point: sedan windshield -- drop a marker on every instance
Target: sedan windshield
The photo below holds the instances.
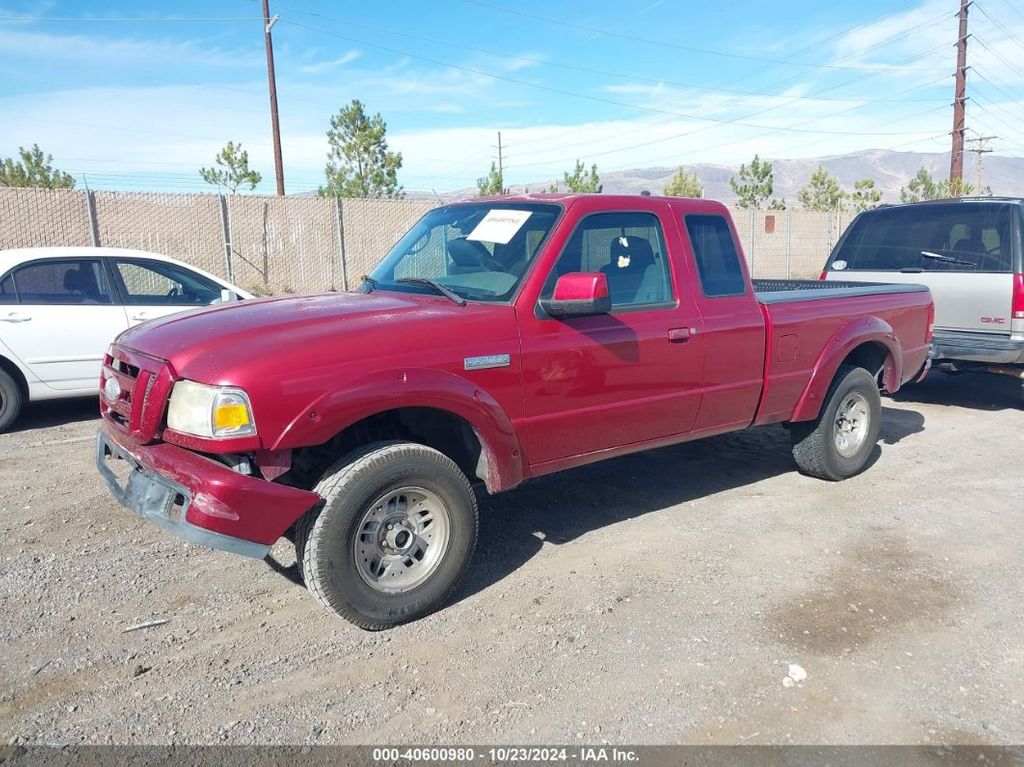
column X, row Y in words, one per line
column 477, row 251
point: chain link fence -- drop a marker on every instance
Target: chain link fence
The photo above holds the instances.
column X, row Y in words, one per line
column 312, row 244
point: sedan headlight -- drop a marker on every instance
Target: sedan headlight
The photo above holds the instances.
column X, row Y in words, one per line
column 209, row 411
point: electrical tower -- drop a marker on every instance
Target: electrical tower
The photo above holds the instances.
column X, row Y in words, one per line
column 980, row 149
column 956, row 156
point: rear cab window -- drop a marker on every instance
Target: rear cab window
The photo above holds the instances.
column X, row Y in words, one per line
column 938, row 237
column 714, row 250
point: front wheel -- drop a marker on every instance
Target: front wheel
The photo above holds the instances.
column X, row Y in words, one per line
column 837, row 445
column 395, row 534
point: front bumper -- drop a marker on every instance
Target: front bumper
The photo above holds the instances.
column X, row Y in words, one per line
column 198, row 498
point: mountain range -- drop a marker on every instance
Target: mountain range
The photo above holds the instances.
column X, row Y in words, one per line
column 890, row 170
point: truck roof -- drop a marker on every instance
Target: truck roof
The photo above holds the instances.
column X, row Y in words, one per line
column 950, row 200
column 615, row 199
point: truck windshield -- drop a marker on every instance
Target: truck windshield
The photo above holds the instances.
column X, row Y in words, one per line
column 937, row 237
column 479, row 251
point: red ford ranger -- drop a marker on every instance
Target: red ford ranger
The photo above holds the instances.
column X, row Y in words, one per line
column 501, row 339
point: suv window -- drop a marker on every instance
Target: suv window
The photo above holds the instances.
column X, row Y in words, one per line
column 155, row 283
column 78, row 281
column 718, row 263
column 932, row 237
column 628, row 248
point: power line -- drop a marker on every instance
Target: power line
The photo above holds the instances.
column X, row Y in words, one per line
column 1009, row 33
column 552, row 64
column 901, row 35
column 125, row 19
column 1009, row 64
column 772, row 129
column 649, row 41
column 550, row 89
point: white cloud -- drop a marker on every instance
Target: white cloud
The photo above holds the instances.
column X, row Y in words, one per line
column 323, row 66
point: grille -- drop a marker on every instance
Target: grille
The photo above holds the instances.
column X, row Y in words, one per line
column 144, row 384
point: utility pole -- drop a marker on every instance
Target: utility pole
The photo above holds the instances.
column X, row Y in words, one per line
column 501, row 163
column 956, row 156
column 980, row 149
column 268, row 24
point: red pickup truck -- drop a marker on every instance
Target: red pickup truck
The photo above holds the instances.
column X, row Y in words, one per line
column 501, row 339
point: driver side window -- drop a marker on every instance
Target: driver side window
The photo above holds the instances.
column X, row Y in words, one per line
column 628, row 248
column 155, row 283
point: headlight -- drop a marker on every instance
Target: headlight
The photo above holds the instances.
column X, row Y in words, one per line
column 209, row 411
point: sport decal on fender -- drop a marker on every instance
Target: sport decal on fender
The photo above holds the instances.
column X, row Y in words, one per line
column 488, row 361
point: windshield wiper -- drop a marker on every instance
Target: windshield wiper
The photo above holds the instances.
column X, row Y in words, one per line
column 446, row 292
column 946, row 259
column 369, row 283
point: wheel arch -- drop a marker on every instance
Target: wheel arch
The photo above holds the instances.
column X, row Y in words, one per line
column 441, row 410
column 868, row 343
column 15, row 372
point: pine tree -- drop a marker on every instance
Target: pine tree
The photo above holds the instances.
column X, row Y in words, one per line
column 581, row 181
column 359, row 163
column 684, row 184
column 33, row 169
column 233, row 170
column 822, row 192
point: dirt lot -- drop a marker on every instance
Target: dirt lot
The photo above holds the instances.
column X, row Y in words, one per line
column 658, row 598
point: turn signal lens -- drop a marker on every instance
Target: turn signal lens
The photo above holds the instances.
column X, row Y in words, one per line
column 230, row 417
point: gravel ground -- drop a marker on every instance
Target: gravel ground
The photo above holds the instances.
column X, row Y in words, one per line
column 657, row 598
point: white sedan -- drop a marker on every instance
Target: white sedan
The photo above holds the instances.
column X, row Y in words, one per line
column 60, row 307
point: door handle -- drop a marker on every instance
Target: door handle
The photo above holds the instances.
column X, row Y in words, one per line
column 679, row 335
column 139, row 317
column 15, row 317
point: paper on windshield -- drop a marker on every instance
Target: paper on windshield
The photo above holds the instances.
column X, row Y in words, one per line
column 499, row 226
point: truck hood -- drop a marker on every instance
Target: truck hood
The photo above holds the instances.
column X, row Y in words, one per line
column 230, row 343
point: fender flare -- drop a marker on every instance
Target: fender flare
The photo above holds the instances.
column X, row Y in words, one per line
column 334, row 411
column 847, row 338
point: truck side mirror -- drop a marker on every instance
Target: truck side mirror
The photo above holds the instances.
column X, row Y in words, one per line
column 579, row 294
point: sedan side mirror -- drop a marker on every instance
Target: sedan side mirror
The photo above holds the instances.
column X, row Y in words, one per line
column 228, row 295
column 579, row 294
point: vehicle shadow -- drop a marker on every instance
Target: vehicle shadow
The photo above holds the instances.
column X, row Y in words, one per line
column 560, row 508
column 57, row 412
column 898, row 424
column 977, row 391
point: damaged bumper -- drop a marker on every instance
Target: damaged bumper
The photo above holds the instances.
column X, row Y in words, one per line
column 198, row 498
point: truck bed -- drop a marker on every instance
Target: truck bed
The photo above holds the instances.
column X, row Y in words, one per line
column 778, row 291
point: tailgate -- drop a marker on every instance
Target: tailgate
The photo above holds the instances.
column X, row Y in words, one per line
column 978, row 302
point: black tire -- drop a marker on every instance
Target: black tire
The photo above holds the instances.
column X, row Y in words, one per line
column 815, row 443
column 11, row 399
column 326, row 539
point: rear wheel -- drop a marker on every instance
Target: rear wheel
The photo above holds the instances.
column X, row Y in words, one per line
column 837, row 445
column 11, row 400
column 395, row 534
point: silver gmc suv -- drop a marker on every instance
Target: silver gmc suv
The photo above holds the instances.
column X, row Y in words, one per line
column 969, row 252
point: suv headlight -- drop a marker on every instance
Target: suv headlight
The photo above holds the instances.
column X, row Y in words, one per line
column 209, row 411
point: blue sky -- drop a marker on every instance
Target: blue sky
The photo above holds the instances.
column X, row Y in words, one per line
column 139, row 95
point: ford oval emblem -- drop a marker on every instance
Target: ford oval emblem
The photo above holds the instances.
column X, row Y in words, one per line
column 111, row 390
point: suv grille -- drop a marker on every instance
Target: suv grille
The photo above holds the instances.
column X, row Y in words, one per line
column 136, row 402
